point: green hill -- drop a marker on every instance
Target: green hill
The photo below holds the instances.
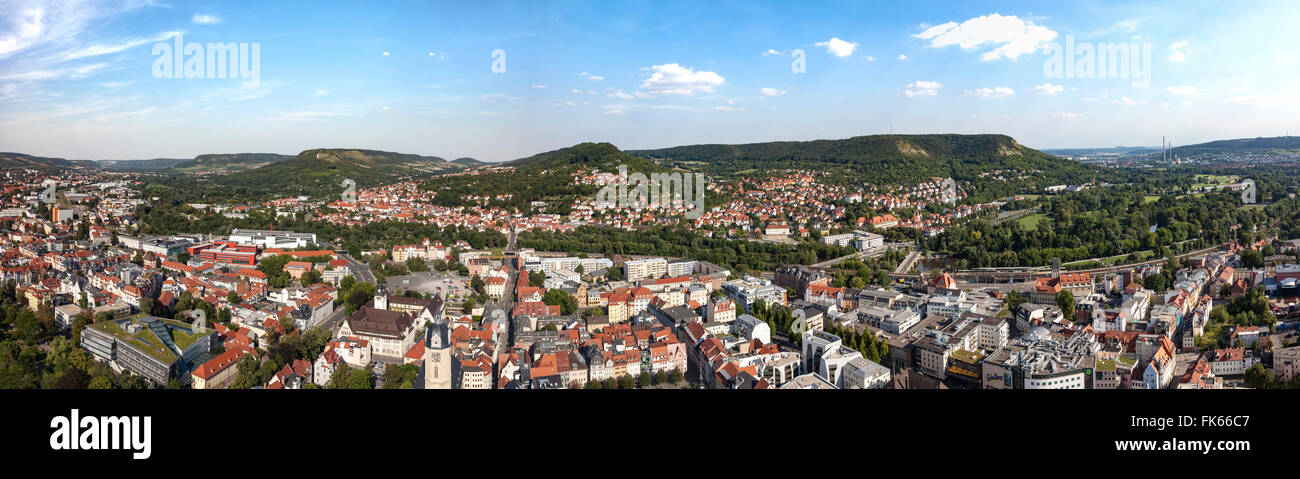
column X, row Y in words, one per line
column 19, row 160
column 546, row 177
column 890, row 159
column 227, row 163
column 320, row 171
column 140, row 165
column 1278, row 144
column 470, row 162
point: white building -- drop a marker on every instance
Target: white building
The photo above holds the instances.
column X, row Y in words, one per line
column 752, row 328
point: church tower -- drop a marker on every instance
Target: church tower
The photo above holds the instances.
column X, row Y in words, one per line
column 381, row 297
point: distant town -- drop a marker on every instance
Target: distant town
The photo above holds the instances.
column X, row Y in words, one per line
column 279, row 309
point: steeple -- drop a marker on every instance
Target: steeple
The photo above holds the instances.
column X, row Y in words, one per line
column 381, row 297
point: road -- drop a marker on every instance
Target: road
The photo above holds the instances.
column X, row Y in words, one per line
column 332, row 322
column 360, row 270
column 908, row 262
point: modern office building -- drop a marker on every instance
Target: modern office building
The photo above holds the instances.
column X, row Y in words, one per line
column 272, row 239
column 156, row 348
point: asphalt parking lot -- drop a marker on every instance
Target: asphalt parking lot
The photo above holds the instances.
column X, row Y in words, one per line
column 448, row 285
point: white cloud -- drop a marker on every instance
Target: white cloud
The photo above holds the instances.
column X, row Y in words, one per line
column 674, row 79
column 1179, row 49
column 576, row 91
column 588, row 76
column 901, row 57
column 871, row 58
column 1010, row 36
column 771, row 51
column 384, row 54
column 1183, row 90
column 620, row 94
column 1048, row 89
column 615, row 112
column 71, row 73
column 921, row 88
column 205, row 19
column 837, row 47
column 438, row 55
column 992, row 93
column 30, row 24
column 321, row 92
column 771, row 92
column 727, row 108
column 1123, row 100
column 1067, row 115
column 540, row 87
column 96, row 50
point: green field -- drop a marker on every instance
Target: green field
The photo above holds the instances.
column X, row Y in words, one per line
column 1150, row 199
column 1031, row 221
column 1212, row 181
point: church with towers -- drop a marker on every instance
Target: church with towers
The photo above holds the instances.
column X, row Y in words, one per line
column 392, row 323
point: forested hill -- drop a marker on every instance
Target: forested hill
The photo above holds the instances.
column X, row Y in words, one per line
column 886, row 159
column 224, row 163
column 544, row 177
column 320, row 171
column 19, row 160
column 1277, row 144
column 141, row 165
column 603, row 156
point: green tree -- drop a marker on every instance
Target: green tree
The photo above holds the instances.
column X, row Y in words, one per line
column 1065, row 300
column 1259, row 377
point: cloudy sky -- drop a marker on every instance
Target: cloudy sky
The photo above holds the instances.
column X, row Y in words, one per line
column 498, row 81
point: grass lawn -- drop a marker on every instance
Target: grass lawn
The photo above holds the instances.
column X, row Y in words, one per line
column 1031, row 221
column 1150, row 199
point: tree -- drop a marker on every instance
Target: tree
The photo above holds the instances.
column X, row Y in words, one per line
column 568, row 304
column 416, row 265
column 1259, row 377
column 1155, row 282
column 536, row 279
column 1252, row 259
column 1014, row 300
column 72, row 378
column 233, row 297
column 400, row 376
column 102, row 382
column 309, row 278
column 615, row 273
column 676, row 376
column 1065, row 300
column 645, row 379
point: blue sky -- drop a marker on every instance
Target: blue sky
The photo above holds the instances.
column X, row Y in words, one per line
column 77, row 78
